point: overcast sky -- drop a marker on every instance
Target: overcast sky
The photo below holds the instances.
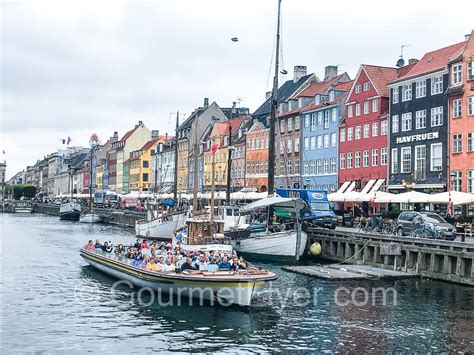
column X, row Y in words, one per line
column 71, row 70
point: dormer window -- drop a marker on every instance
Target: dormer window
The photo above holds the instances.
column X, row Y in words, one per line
column 331, row 95
column 317, row 99
column 300, row 102
column 240, row 133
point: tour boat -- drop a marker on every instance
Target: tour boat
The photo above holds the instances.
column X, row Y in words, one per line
column 70, row 211
column 89, row 218
column 221, row 287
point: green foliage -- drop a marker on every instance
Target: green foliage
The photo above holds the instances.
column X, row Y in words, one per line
column 18, row 191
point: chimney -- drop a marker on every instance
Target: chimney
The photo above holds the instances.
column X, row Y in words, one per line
column 412, row 61
column 139, row 123
column 166, row 137
column 299, row 72
column 115, row 136
column 206, row 102
column 234, row 109
column 155, row 133
column 268, row 94
column 330, row 72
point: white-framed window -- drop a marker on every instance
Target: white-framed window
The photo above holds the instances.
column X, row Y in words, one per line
column 457, row 108
column 436, row 157
column 297, row 166
column 470, row 106
column 366, row 130
column 375, row 129
column 289, row 146
column 406, row 160
column 349, row 134
column 366, row 107
column 326, row 119
column 306, row 143
column 349, row 160
column 384, row 128
column 470, row 181
column 470, row 70
column 331, row 95
column 357, row 159
column 318, row 167
column 334, row 115
column 420, row 89
column 395, row 124
column 406, row 92
column 420, row 119
column 289, row 167
column 320, row 118
column 349, row 111
column 457, row 143
column 365, row 161
column 313, row 168
column 313, row 142
column 333, row 140
column 305, row 168
column 282, row 147
column 456, row 74
column 366, row 86
column 383, row 156
column 470, row 142
column 395, row 95
column 333, row 166
column 437, row 116
column 420, row 162
column 319, row 142
column 437, row 85
column 394, row 161
column 297, row 122
column 289, row 124
column 357, row 132
column 342, row 161
column 457, row 181
column 282, row 125
column 357, row 109
column 326, row 166
column 375, row 157
column 326, row 140
column 297, row 145
column 375, row 105
column 313, row 122
column 342, row 135
column 307, row 118
column 358, row 88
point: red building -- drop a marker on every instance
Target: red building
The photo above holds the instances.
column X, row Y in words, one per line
column 363, row 133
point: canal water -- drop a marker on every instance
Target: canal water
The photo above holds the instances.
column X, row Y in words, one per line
column 52, row 301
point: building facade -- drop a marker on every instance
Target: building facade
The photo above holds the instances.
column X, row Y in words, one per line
column 256, row 156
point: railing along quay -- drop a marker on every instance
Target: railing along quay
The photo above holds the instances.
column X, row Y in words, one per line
column 437, row 259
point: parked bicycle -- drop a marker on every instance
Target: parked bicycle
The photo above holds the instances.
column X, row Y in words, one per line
column 426, row 230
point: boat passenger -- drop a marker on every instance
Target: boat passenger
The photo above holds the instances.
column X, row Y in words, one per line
column 187, row 265
column 90, row 245
column 224, row 264
column 97, row 244
column 137, row 244
column 168, row 266
column 106, row 247
column 152, row 265
column 144, row 245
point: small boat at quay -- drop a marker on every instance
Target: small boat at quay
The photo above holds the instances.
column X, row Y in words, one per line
column 218, row 288
column 161, row 227
column 89, row 218
column 70, row 211
column 23, row 207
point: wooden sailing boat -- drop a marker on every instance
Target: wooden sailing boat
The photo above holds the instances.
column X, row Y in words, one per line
column 71, row 210
column 91, row 217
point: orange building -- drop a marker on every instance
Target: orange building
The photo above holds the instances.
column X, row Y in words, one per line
column 256, row 155
column 461, row 113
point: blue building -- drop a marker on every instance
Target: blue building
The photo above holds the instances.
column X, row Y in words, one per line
column 320, row 138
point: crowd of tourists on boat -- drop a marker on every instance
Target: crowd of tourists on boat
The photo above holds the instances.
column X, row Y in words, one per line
column 160, row 257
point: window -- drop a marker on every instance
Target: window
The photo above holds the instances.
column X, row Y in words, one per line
column 326, row 141
column 342, row 163
column 470, row 142
column 349, row 110
column 383, row 156
column 357, row 132
column 297, row 122
column 289, row 124
column 297, row 166
column 366, row 107
column 333, row 166
column 297, row 145
column 313, row 122
column 470, row 181
column 394, row 160
column 375, row 105
column 357, row 109
column 470, row 105
column 318, row 167
column 326, row 119
column 289, row 167
column 420, row 162
column 349, row 134
column 456, row 74
column 366, row 158
column 394, row 123
column 306, row 143
column 457, row 143
column 375, row 157
column 282, row 167
column 313, row 168
column 331, row 95
column 357, row 160
column 406, row 92
column 437, row 85
column 320, row 118
column 366, row 130
column 333, row 140
column 282, row 126
column 358, row 88
column 406, row 160
column 437, row 157
column 282, row 147
column 395, row 95
column 305, row 167
column 320, row 142
column 313, row 142
column 470, row 70
column 375, row 129
column 457, row 183
column 366, row 86
column 145, row 164
column 437, row 116
column 145, row 177
column 420, row 89
column 306, row 120
column 457, row 108
column 349, row 160
column 289, row 146
column 326, row 166
column 334, row 115
column 383, row 128
column 420, row 119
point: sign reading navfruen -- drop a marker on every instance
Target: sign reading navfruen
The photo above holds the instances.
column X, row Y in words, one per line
column 418, row 137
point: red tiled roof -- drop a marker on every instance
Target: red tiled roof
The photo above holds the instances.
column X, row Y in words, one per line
column 319, row 87
column 223, row 127
column 149, row 144
column 380, row 77
column 433, row 61
column 129, row 133
column 344, row 86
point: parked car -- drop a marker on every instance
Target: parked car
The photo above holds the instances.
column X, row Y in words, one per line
column 405, row 225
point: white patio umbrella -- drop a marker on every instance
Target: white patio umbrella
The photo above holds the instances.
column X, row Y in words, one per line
column 352, row 196
column 412, row 197
column 455, row 197
column 381, row 197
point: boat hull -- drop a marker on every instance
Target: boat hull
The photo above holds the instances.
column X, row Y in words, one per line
column 272, row 247
column 221, row 292
column 70, row 211
column 89, row 218
column 23, row 210
column 158, row 228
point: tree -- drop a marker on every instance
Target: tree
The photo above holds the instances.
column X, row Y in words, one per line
column 18, row 191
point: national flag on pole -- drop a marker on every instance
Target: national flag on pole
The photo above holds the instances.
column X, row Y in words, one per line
column 68, row 140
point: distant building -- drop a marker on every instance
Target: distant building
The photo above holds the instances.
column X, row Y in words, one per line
column 164, row 165
column 256, row 156
column 3, row 169
column 238, row 174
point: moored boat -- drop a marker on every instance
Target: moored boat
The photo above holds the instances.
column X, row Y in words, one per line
column 89, row 218
column 223, row 287
column 23, row 207
column 161, row 228
column 70, row 211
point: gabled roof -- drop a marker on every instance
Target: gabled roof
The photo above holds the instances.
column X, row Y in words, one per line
column 344, row 86
column 129, row 133
column 284, row 92
column 380, row 77
column 319, row 87
column 433, row 61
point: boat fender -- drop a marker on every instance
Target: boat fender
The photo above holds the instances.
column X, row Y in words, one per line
column 315, row 249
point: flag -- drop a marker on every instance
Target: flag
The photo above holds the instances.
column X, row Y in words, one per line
column 68, row 140
column 214, row 148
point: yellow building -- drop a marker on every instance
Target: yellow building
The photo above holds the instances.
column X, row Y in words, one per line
column 99, row 173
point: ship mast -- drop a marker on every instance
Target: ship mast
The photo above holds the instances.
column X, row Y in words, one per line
column 195, row 171
column 274, row 102
column 175, row 190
